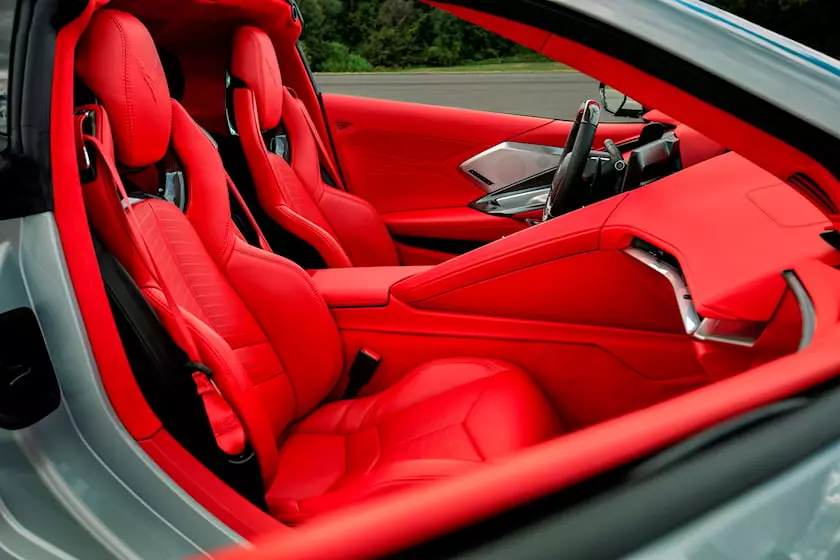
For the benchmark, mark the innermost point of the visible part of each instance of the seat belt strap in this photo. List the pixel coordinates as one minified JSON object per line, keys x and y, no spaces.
{"x":241,"y":201}
{"x":325,"y":156}
{"x":227,"y":427}
{"x":261,"y":240}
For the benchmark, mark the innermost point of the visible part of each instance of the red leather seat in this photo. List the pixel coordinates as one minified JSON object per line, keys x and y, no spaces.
{"x":263,"y":328}
{"x":343,"y":228}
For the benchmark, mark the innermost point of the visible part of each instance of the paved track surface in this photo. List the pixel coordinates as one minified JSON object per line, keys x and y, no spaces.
{"x":554,"y":94}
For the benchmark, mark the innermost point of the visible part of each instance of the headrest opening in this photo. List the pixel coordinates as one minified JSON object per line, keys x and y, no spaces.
{"x":174,"y":73}
{"x":254,"y":63}
{"x":117,"y":60}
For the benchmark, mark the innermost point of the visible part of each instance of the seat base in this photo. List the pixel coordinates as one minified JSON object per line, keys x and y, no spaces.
{"x":444,"y":418}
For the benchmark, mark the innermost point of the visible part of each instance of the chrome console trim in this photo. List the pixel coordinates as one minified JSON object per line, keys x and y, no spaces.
{"x":525,"y":199}
{"x":739,"y":333}
{"x":690,"y":318}
{"x":508,"y":163}
{"x":806,"y":307}
{"x":736,"y":332}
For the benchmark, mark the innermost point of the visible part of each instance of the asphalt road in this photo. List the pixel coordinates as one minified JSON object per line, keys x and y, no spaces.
{"x":549,"y":94}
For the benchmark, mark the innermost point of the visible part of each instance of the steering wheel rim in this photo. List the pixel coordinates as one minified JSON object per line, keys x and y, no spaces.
{"x":569,"y":174}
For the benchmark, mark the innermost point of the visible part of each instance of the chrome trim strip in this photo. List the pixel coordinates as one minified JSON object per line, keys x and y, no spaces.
{"x":738,"y":333}
{"x":524,"y":199}
{"x":690,"y":318}
{"x":496,"y":164}
{"x":708,"y":331}
{"x":806,"y":307}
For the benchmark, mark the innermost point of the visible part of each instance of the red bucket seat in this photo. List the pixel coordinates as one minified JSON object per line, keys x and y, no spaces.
{"x":343,"y":228}
{"x":262,"y":327}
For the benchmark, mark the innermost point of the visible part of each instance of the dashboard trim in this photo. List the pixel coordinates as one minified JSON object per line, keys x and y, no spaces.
{"x":484,"y":169}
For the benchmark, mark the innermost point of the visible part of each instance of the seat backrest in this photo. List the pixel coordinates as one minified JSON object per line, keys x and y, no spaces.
{"x":259,"y":322}
{"x":343,"y":228}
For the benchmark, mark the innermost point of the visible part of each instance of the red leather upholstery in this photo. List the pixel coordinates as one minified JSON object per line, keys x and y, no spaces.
{"x":136,"y":95}
{"x":368,"y":286}
{"x":269,"y":337}
{"x":254,"y":61}
{"x":458,"y":223}
{"x":575,"y":233}
{"x":343,"y":228}
{"x":444,"y":418}
{"x":694,"y":147}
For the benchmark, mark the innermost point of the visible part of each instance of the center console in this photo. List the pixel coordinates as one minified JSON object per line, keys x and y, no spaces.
{"x":361,"y":286}
{"x":595,"y":304}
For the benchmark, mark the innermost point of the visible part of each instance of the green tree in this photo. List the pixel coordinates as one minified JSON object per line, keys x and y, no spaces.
{"x":393,"y":34}
{"x":318,"y":33}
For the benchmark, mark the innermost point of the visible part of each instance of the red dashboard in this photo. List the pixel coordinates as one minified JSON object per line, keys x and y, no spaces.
{"x":731,"y":226}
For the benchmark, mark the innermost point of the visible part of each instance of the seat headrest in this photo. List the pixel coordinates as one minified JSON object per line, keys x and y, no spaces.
{"x":254,"y":62}
{"x":117,"y":60}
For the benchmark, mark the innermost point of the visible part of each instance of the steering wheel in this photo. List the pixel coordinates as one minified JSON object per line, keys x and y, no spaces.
{"x":569,"y":175}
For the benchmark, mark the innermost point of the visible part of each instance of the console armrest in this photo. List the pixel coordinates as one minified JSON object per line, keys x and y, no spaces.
{"x":360,"y":286}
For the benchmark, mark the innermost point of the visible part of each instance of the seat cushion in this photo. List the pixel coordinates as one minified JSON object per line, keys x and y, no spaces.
{"x":446,"y":417}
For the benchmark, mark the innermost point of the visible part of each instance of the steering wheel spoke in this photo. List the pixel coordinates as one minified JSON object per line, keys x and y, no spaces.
{"x":569,"y":175}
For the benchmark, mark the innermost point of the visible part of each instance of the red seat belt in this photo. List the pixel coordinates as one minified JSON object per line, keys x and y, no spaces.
{"x":261,"y":240}
{"x":227,"y":428}
{"x":235,"y":192}
{"x":325,"y":156}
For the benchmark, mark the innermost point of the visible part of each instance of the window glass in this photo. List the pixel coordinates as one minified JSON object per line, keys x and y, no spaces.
{"x":405,"y":50}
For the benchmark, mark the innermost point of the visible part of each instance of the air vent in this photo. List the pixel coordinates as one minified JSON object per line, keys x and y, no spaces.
{"x":480,"y":177}
{"x":657,"y":253}
{"x":804,"y":184}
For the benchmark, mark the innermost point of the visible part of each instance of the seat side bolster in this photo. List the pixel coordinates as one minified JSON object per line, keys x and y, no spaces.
{"x":282,"y":298}
{"x":326,"y":245}
{"x":359,"y":228}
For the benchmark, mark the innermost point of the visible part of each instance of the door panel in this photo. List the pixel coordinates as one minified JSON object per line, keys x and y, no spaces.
{"x":405,"y":156}
{"x":407,"y":160}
